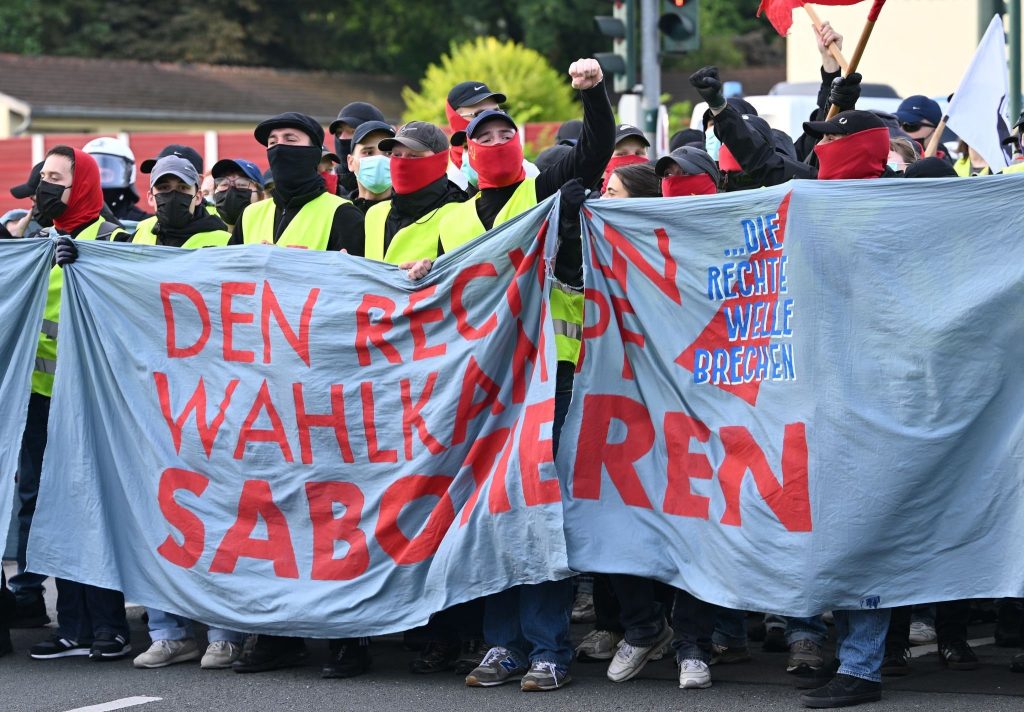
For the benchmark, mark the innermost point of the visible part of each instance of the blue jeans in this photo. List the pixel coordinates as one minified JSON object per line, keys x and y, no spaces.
{"x":860,"y":642}
{"x":730,"y":628}
{"x":693,"y":622}
{"x":532,"y":622}
{"x":641,"y":613}
{"x":167,"y":626}
{"x":812,"y":628}
{"x":84,"y":611}
{"x":27,"y":587}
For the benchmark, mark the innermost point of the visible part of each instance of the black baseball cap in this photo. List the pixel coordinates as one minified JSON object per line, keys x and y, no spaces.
{"x":355,"y":114}
{"x":293,"y":120}
{"x":552,"y":155}
{"x":687,"y":137}
{"x":470,"y":93}
{"x":460,"y":137}
{"x":175,"y":149}
{"x":419,"y":136}
{"x":844,"y":123}
{"x":624,"y":131}
{"x":693,"y":162}
{"x":368,"y":127}
{"x":931,"y":167}
{"x":569,"y":133}
{"x":28,"y":188}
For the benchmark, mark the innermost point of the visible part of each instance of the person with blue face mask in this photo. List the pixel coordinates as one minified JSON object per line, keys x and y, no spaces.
{"x":370,"y":165}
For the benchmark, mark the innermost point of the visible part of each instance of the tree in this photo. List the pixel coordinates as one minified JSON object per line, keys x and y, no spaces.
{"x":535,"y":91}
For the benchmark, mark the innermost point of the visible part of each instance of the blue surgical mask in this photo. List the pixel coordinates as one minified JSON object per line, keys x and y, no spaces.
{"x":468,"y":171}
{"x":894,"y":166}
{"x":374,"y":173}
{"x":711,"y":143}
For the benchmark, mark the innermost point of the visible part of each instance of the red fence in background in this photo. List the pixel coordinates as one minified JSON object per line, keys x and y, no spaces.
{"x":16,"y":154}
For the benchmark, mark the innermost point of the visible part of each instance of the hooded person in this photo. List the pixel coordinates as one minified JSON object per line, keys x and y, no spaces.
{"x":90,"y":620}
{"x":237,"y":183}
{"x":630,"y":149}
{"x":351,"y":117}
{"x":406,"y":229}
{"x":687,"y":171}
{"x":853,"y":144}
{"x":301,"y":213}
{"x":370,"y":165}
{"x":116,"y":162}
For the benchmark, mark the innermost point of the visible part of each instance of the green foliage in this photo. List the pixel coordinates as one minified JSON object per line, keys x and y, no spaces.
{"x":536,"y":92}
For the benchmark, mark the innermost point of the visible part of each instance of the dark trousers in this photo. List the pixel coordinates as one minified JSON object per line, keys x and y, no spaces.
{"x":606,"y":605}
{"x":458,"y":624}
{"x":29,"y":587}
{"x":85,"y":611}
{"x":951,"y":618}
{"x":643,"y":607}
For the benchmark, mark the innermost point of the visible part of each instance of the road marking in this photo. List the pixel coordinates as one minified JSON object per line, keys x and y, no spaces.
{"x":920,"y":650}
{"x":117,"y":704}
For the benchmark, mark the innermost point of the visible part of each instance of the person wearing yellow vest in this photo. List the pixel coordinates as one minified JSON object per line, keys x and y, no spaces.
{"x":370,"y":165}
{"x":528,"y":626}
{"x":144,"y":229}
{"x":236,"y":184}
{"x":90,"y":620}
{"x":406,"y":229}
{"x":301,"y":212}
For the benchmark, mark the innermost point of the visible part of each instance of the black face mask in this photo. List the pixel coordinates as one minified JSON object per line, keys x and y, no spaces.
{"x":40,"y":219}
{"x":48,"y":202}
{"x":174,"y":209}
{"x":230,"y":203}
{"x":294,"y":169}
{"x":342,"y":147}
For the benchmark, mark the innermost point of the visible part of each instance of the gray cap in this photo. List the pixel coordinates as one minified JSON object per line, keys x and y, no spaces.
{"x":419,"y":136}
{"x":692,"y":161}
{"x":174,"y":166}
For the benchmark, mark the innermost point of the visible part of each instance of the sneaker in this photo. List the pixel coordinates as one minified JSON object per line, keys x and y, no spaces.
{"x":1017,"y":663}
{"x":471,"y":654}
{"x":957,"y":655}
{"x":694,"y":674}
{"x":896,"y":663}
{"x":57,"y":647}
{"x":220,"y":654}
{"x":108,"y":646}
{"x":497,"y":668}
{"x":545,"y":676}
{"x":922,"y":633}
{"x":349,"y":657}
{"x":597,"y":646}
{"x":437,"y":656}
{"x":725,"y":655}
{"x":843,"y":691}
{"x":661,"y":652}
{"x":583,"y":610}
{"x":630,"y":659}
{"x":805,"y":656}
{"x":818,"y":678}
{"x":775,"y":641}
{"x":30,"y":615}
{"x":271,"y":652}
{"x":167,"y":652}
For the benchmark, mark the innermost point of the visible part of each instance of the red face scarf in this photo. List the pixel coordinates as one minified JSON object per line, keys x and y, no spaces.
{"x":86,"y":199}
{"x":498,"y":165}
{"x":411,"y":174}
{"x":727,"y":161}
{"x":859,"y":155}
{"x":619,"y":162}
{"x":331,"y":181}
{"x":456,"y":123}
{"x":675,"y":186}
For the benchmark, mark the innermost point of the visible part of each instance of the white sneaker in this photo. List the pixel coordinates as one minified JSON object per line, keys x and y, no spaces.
{"x":167,"y":652}
{"x":220,"y":654}
{"x":922,"y":633}
{"x":694,"y":674}
{"x":629,"y":660}
{"x":583,"y":610}
{"x":598,"y":645}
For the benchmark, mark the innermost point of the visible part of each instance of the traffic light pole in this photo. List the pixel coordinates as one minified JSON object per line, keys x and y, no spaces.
{"x":650,"y":69}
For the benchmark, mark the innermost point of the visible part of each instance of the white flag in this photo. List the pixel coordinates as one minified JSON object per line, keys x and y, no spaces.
{"x":977,"y":112}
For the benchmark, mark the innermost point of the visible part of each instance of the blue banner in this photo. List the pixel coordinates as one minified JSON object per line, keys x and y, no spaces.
{"x":24,"y":269}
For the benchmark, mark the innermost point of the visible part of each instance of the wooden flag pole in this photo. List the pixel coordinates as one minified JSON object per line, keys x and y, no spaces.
{"x":836,"y":53}
{"x":865,"y":35}
{"x":933,"y":142}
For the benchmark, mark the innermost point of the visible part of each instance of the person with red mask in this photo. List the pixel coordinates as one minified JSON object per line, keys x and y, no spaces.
{"x":406,"y":229}
{"x":328,"y":160}
{"x":687,"y":171}
{"x":852,"y":144}
{"x":90,"y":620}
{"x":630,"y":149}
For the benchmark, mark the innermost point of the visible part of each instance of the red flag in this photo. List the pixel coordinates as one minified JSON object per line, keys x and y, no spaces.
{"x":780,"y":12}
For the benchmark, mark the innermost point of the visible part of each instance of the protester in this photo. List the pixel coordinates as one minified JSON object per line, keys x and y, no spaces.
{"x":236,"y":184}
{"x":144,"y":229}
{"x":351,"y":117}
{"x":117,"y":177}
{"x":902,"y":153}
{"x":31,"y":224}
{"x":370,"y":165}
{"x":687,"y":171}
{"x":919,"y":116}
{"x":631,"y":147}
{"x":633,"y":181}
{"x":971,"y":163}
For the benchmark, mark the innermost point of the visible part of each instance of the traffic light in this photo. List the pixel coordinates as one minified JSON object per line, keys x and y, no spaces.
{"x":679,"y":25}
{"x":619,"y":62}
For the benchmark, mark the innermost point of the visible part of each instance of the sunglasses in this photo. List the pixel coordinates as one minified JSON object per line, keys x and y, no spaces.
{"x":916,"y":126}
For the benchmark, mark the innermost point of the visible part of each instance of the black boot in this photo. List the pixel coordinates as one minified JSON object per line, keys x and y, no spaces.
{"x":271,"y":652}
{"x":843,"y":691}
{"x":349,"y":657}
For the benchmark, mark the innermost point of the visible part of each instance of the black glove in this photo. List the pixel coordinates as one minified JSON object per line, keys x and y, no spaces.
{"x":709,"y":86}
{"x":572,"y":195}
{"x":66,"y":252}
{"x":845,"y":91}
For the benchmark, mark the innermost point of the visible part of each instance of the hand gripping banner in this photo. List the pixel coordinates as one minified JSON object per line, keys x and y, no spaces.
{"x":302,"y":443}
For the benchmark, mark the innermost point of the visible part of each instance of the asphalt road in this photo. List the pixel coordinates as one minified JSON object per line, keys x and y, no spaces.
{"x":761,"y":685}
